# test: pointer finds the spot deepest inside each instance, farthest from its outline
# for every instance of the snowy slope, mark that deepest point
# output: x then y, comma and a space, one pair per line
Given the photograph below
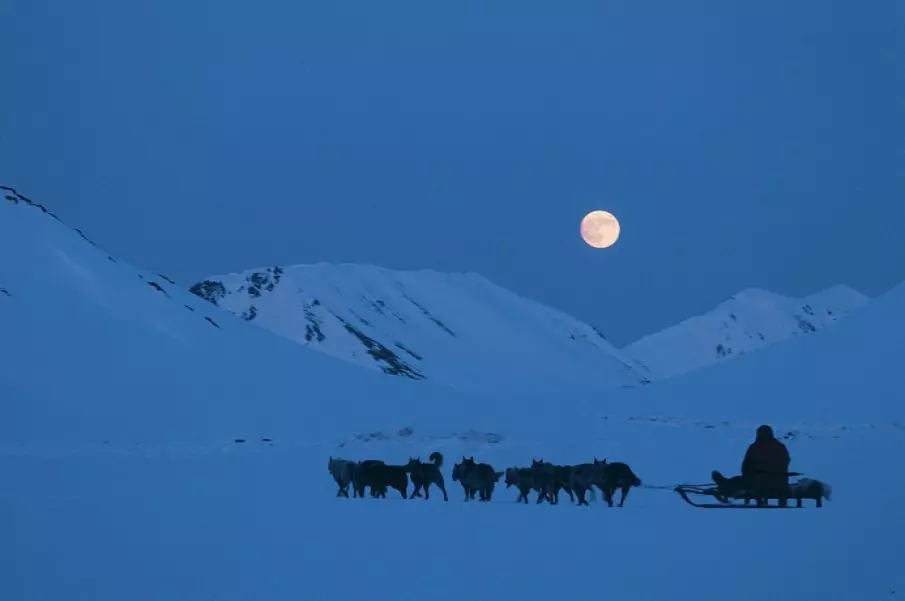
455, 329
849, 374
91, 347
122, 412
748, 321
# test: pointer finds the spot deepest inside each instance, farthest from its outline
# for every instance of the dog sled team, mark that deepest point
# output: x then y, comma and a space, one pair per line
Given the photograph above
380, 476
764, 476
546, 479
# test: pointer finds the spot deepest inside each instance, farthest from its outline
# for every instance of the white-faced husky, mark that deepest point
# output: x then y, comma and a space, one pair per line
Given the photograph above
342, 471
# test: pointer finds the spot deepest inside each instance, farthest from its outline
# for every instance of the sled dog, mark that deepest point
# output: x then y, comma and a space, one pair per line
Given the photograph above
425, 474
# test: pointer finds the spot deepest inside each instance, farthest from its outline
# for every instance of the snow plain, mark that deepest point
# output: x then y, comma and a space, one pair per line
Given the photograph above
254, 521
122, 477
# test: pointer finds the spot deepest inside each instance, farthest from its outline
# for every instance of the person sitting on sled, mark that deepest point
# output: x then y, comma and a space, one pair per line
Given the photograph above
765, 472
766, 465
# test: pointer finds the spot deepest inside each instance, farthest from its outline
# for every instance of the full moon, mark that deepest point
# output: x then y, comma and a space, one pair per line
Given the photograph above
600, 229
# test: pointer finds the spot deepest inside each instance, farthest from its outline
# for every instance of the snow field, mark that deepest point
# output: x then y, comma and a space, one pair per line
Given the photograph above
261, 521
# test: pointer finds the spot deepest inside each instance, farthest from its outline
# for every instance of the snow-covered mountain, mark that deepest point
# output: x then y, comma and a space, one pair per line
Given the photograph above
747, 321
92, 347
850, 373
154, 446
457, 329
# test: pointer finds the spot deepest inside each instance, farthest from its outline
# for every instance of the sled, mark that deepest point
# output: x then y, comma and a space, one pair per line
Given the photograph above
797, 494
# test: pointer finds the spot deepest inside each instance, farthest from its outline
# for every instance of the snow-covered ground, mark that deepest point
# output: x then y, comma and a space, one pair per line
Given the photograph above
748, 321
455, 329
148, 453
257, 521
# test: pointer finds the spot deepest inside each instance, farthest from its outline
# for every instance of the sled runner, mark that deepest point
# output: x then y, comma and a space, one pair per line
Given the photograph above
685, 490
799, 491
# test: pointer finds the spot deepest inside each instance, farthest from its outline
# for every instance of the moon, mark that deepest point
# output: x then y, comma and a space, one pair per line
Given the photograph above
600, 229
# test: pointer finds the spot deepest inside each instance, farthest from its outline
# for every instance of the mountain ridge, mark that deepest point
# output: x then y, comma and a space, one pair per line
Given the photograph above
457, 328
750, 320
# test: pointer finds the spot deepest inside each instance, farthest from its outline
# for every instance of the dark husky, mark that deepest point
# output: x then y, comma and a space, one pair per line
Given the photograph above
342, 471
616, 476
467, 474
524, 479
360, 479
608, 477
544, 481
553, 479
584, 477
380, 476
425, 474
458, 475
475, 477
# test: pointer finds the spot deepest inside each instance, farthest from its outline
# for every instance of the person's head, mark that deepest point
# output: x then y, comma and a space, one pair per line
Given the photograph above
764, 432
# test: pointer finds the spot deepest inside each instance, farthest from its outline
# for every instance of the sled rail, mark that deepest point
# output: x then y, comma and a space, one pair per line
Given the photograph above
683, 492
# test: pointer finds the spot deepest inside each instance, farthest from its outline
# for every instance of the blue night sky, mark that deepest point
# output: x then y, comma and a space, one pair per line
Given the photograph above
739, 143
